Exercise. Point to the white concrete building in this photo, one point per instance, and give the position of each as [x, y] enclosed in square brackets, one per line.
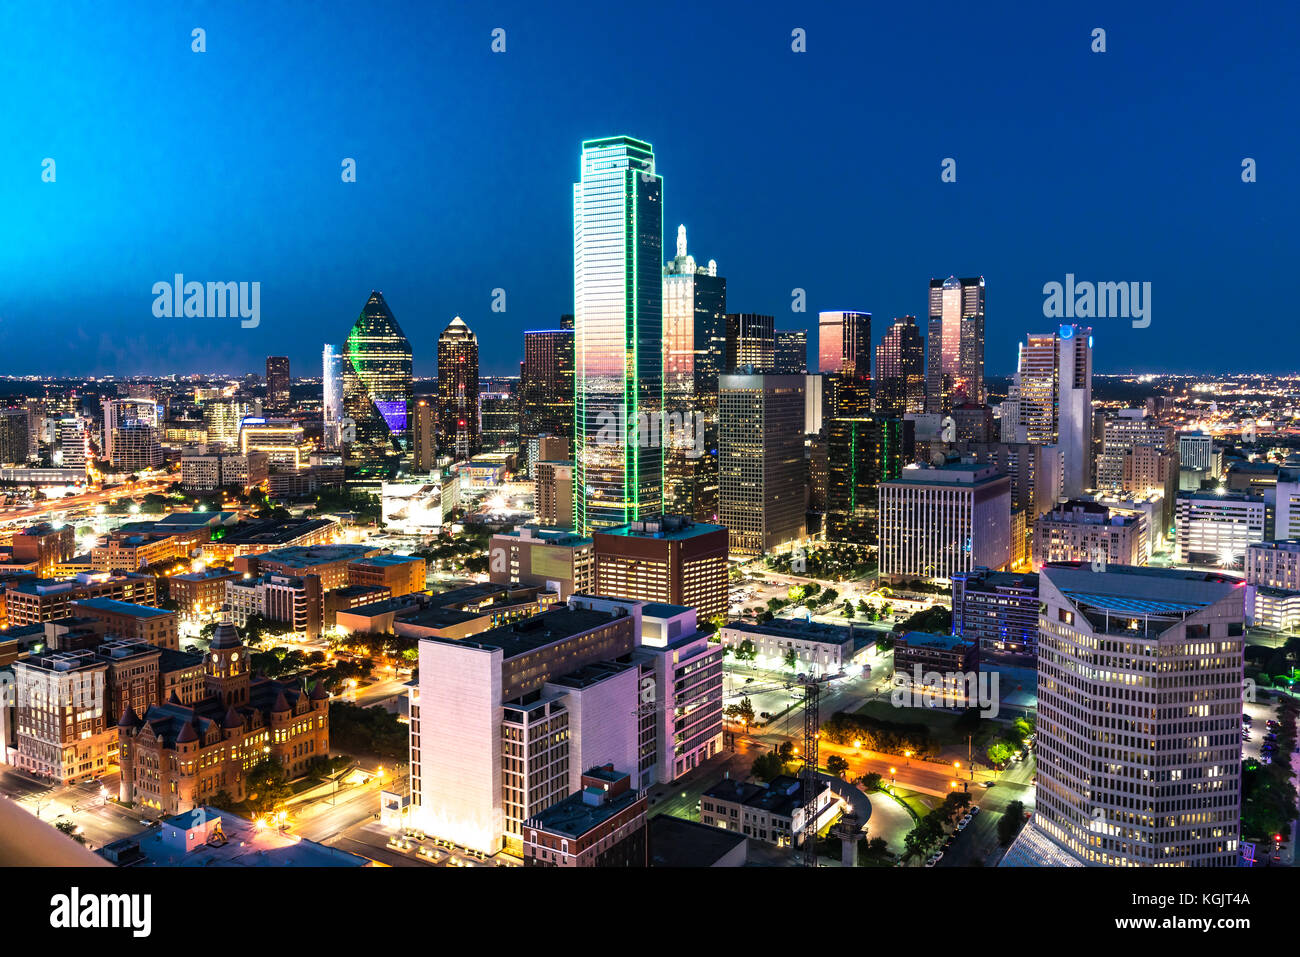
[1139, 715]
[1213, 528]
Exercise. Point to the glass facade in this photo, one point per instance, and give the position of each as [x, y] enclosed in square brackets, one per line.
[376, 379]
[618, 332]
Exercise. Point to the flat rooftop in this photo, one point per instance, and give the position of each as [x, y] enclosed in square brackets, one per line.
[574, 817]
[387, 561]
[925, 639]
[521, 637]
[798, 628]
[308, 556]
[116, 607]
[675, 842]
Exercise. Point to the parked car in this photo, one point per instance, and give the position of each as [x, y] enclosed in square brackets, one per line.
[986, 784]
[975, 809]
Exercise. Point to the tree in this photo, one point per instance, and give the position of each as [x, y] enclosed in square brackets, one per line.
[836, 765]
[796, 593]
[743, 711]
[785, 751]
[70, 829]
[1012, 820]
[267, 786]
[999, 753]
[767, 766]
[848, 610]
[790, 659]
[746, 651]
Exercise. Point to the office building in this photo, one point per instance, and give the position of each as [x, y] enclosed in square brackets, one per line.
[937, 667]
[667, 559]
[62, 731]
[138, 415]
[494, 741]
[1286, 507]
[43, 546]
[1213, 528]
[123, 619]
[553, 493]
[900, 370]
[222, 419]
[1273, 585]
[761, 469]
[210, 471]
[555, 558]
[277, 384]
[331, 386]
[282, 441]
[1036, 471]
[74, 449]
[399, 574]
[498, 414]
[458, 413]
[819, 648]
[1139, 716]
[751, 343]
[1052, 401]
[955, 343]
[773, 813]
[695, 354]
[546, 384]
[618, 372]
[15, 440]
[997, 610]
[939, 520]
[1080, 531]
[376, 382]
[791, 352]
[1196, 451]
[844, 344]
[424, 436]
[861, 453]
[135, 448]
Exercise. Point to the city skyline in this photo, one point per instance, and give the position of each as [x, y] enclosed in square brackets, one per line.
[275, 210]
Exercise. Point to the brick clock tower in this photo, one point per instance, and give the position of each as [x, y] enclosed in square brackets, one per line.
[227, 667]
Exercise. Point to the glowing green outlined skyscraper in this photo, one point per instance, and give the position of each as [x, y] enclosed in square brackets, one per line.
[376, 382]
[618, 334]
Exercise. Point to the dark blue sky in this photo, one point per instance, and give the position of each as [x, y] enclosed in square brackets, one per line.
[818, 170]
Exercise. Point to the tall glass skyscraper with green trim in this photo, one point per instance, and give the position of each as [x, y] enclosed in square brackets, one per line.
[376, 382]
[618, 334]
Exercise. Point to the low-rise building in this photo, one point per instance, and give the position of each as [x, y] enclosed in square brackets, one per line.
[773, 813]
[1087, 531]
[124, 619]
[997, 610]
[819, 648]
[602, 825]
[400, 574]
[557, 558]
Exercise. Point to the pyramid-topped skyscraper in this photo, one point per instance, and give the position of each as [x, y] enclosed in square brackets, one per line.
[376, 381]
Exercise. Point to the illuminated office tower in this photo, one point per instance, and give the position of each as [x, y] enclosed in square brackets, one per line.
[762, 474]
[618, 332]
[15, 444]
[862, 452]
[376, 380]
[498, 421]
[1139, 717]
[900, 370]
[72, 442]
[277, 383]
[331, 384]
[751, 343]
[458, 427]
[955, 343]
[222, 418]
[1052, 389]
[122, 412]
[844, 343]
[546, 384]
[695, 348]
[424, 435]
[791, 353]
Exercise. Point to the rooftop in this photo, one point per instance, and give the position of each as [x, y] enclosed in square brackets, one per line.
[925, 639]
[548, 628]
[675, 842]
[122, 607]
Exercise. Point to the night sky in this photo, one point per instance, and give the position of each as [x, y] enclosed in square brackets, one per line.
[818, 170]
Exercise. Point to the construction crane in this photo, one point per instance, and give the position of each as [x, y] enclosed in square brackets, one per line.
[812, 690]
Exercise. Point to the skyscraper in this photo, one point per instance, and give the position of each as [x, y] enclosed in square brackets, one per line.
[751, 343]
[277, 383]
[762, 475]
[424, 435]
[376, 380]
[458, 425]
[844, 343]
[331, 384]
[695, 346]
[900, 370]
[791, 352]
[1139, 716]
[498, 421]
[1052, 396]
[546, 384]
[955, 343]
[119, 413]
[618, 332]
[862, 452]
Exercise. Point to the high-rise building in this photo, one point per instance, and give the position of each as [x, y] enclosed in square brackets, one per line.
[458, 417]
[1139, 718]
[1035, 472]
[72, 442]
[424, 435]
[222, 419]
[1286, 509]
[331, 384]
[1196, 450]
[1090, 532]
[900, 370]
[664, 559]
[941, 520]
[1052, 390]
[282, 440]
[762, 475]
[135, 447]
[862, 452]
[791, 352]
[14, 436]
[553, 493]
[751, 343]
[121, 412]
[546, 384]
[498, 414]
[844, 343]
[695, 354]
[618, 331]
[998, 610]
[377, 371]
[277, 383]
[955, 343]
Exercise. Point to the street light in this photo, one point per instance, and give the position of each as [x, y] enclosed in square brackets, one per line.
[892, 772]
[908, 755]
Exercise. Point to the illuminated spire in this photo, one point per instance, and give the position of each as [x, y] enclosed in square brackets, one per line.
[681, 240]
